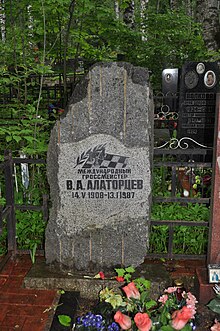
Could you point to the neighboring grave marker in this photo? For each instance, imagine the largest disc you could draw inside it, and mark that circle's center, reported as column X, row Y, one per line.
column 99, row 171
column 170, row 88
column 197, row 102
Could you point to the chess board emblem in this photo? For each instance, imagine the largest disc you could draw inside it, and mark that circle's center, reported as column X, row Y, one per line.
column 98, row 158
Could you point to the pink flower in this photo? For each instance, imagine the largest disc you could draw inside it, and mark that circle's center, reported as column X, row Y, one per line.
column 170, row 290
column 181, row 317
column 123, row 320
column 163, row 299
column 101, row 274
column 190, row 300
column 131, row 291
column 216, row 326
column 143, row 321
column 120, row 279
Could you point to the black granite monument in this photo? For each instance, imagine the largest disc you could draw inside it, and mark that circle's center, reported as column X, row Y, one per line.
column 197, row 103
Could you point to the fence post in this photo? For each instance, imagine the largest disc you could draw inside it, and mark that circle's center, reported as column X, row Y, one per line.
column 9, row 195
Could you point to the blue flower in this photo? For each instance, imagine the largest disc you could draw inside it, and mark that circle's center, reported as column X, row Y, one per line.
column 95, row 322
column 113, row 327
column 99, row 318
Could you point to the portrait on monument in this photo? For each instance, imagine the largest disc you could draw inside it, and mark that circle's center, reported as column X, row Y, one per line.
column 214, row 273
column 210, row 79
column 200, row 68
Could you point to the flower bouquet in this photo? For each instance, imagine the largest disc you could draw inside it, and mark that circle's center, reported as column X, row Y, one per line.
column 131, row 308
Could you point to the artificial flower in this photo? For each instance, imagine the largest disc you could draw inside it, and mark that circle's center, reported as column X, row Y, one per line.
column 170, row 290
column 190, row 299
column 181, row 317
column 100, row 275
column 115, row 300
column 131, row 291
column 163, row 298
column 123, row 320
column 143, row 321
column 134, row 308
column 216, row 326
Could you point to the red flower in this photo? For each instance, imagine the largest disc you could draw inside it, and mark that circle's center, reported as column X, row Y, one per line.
column 181, row 317
column 131, row 291
column 101, row 274
column 123, row 320
column 143, row 321
column 120, row 279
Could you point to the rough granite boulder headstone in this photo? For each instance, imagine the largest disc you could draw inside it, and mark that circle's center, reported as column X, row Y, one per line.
column 99, row 171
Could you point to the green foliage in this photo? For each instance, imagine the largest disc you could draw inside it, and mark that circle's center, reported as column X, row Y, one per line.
column 2, row 201
column 190, row 240
column 30, row 229
column 169, row 328
column 214, row 304
column 186, row 240
column 142, row 284
column 29, row 134
column 176, row 211
column 33, row 252
column 38, row 38
column 126, row 273
column 94, row 33
column 64, row 320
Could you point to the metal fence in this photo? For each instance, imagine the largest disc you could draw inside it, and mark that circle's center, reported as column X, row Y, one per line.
column 185, row 181
column 176, row 164
column 8, row 212
column 52, row 92
column 184, row 168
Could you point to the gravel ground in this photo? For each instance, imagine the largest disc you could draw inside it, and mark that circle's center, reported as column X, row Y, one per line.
column 205, row 318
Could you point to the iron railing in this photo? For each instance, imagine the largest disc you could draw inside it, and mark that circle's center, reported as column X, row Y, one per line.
column 8, row 211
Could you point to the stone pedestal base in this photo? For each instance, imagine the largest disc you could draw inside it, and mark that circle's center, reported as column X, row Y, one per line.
column 204, row 290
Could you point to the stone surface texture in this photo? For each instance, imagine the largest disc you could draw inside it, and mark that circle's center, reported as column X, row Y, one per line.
column 43, row 276
column 99, row 171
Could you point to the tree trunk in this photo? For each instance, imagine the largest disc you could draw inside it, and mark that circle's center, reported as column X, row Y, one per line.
column 71, row 11
column 143, row 8
column 208, row 16
column 117, row 10
column 128, row 15
column 173, row 4
column 2, row 21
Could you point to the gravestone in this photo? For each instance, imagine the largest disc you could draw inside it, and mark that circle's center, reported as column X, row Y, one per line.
column 166, row 107
column 99, row 171
column 170, row 88
column 197, row 103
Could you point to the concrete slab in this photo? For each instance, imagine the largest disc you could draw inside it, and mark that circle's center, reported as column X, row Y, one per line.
column 42, row 276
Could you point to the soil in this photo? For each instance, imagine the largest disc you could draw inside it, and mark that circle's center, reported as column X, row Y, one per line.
column 205, row 318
